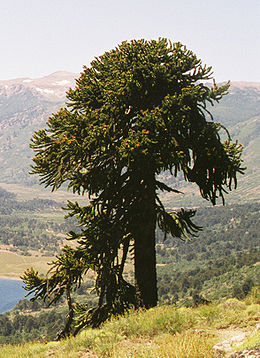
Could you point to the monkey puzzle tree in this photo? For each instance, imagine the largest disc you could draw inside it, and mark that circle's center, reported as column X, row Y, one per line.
column 138, row 110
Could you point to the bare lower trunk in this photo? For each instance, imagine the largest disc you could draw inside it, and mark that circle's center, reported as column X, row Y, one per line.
column 144, row 248
column 67, row 329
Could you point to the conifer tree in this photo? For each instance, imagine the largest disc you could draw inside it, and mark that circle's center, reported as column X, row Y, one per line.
column 138, row 110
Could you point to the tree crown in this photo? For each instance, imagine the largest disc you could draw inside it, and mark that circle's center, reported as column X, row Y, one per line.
column 138, row 110
column 142, row 105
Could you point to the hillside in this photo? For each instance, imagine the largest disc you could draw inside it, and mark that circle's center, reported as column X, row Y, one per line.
column 216, row 264
column 161, row 332
column 25, row 105
column 222, row 262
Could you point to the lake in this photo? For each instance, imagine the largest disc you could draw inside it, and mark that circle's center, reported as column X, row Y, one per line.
column 11, row 292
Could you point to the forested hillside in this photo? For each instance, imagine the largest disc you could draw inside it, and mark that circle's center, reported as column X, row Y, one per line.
column 223, row 261
column 35, row 225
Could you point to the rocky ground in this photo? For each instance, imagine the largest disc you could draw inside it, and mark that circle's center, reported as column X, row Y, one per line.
column 233, row 338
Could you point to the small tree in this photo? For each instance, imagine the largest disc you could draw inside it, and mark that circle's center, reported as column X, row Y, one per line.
column 64, row 275
column 137, row 111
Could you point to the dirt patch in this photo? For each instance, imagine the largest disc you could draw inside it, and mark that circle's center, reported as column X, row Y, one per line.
column 232, row 337
column 230, row 332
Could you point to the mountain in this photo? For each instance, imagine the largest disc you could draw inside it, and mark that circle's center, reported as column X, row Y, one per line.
column 25, row 105
column 240, row 113
column 51, row 88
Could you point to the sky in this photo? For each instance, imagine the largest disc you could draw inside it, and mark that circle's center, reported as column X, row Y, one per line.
column 40, row 37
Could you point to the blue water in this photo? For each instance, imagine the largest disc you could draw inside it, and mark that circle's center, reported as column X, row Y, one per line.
column 11, row 292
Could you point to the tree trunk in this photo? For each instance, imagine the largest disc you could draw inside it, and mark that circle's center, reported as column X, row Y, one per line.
column 144, row 246
column 67, row 329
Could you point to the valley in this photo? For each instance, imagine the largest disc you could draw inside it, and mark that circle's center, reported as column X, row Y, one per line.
column 222, row 262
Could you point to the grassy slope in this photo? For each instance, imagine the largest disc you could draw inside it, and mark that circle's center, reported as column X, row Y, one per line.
column 159, row 332
column 13, row 265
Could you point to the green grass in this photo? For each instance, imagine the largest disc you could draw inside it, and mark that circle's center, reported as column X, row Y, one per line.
column 164, row 331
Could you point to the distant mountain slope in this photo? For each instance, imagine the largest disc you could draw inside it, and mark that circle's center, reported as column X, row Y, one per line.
column 241, row 104
column 25, row 105
column 239, row 111
column 51, row 87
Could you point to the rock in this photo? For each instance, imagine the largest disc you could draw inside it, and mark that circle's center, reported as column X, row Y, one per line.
column 246, row 353
column 238, row 339
column 226, row 346
column 257, row 328
column 221, row 348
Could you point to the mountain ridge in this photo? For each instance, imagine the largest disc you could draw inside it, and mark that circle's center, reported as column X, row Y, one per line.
column 26, row 104
column 52, row 87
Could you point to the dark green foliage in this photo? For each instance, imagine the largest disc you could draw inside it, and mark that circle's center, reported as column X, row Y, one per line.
column 226, row 230
column 140, row 109
column 221, row 260
column 182, row 282
column 20, row 327
column 247, row 285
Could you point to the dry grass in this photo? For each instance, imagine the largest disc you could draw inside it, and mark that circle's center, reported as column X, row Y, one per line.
column 161, row 332
column 13, row 265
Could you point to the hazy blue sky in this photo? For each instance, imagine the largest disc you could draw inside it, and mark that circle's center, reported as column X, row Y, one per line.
column 39, row 37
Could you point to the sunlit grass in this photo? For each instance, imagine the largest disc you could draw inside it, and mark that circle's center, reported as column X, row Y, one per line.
column 188, row 344
column 164, row 331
